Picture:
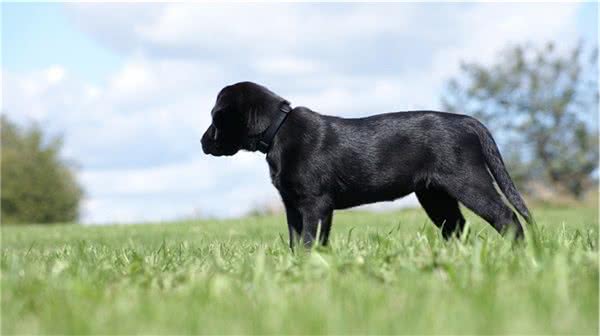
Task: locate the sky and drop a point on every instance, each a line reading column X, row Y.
column 131, row 86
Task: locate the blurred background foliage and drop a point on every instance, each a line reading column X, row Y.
column 38, row 186
column 542, row 106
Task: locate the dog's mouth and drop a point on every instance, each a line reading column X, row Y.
column 215, row 149
column 221, row 153
column 213, row 144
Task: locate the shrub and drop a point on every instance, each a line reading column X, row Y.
column 37, row 186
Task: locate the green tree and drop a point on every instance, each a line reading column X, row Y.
column 37, row 186
column 543, row 105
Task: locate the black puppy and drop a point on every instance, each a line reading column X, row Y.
column 320, row 163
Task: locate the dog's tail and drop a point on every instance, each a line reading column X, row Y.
column 496, row 166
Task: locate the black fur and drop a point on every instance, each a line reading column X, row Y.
column 321, row 163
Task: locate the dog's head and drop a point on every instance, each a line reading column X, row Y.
column 242, row 112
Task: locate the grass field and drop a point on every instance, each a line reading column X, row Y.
column 383, row 273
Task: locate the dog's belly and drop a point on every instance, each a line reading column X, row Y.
column 351, row 198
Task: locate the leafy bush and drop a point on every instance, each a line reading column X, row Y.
column 37, row 185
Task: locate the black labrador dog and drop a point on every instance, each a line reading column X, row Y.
column 320, row 163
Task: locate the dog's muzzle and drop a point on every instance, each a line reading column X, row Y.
column 212, row 146
column 209, row 145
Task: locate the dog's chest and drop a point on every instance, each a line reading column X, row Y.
column 275, row 172
column 290, row 180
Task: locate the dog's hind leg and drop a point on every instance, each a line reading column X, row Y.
column 443, row 210
column 476, row 191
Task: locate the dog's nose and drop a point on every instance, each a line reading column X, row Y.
column 208, row 148
column 207, row 143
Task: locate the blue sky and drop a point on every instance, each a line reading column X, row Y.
column 131, row 85
column 38, row 35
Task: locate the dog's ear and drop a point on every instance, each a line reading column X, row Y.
column 260, row 112
column 257, row 118
column 246, row 106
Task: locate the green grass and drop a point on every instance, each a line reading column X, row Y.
column 383, row 274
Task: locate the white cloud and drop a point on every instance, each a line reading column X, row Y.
column 196, row 175
column 274, row 26
column 55, row 74
column 137, row 135
column 288, row 66
column 204, row 184
column 486, row 30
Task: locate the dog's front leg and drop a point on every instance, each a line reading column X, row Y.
column 325, row 229
column 294, row 222
column 316, row 222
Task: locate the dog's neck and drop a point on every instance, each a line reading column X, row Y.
column 297, row 129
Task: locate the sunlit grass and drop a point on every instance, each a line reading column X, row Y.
column 383, row 273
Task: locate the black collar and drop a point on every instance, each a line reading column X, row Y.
column 265, row 142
